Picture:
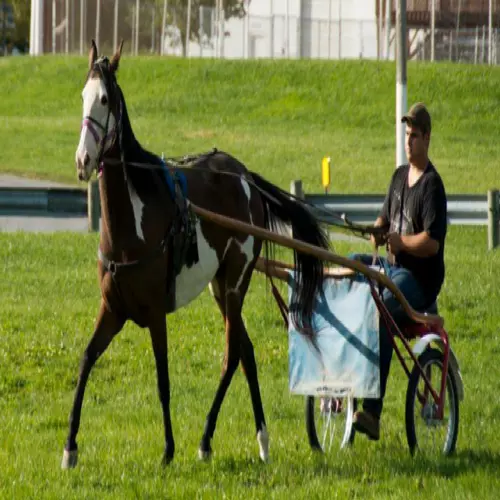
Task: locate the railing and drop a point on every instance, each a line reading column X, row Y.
column 31, row 201
column 463, row 209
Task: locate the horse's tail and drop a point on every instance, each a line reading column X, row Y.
column 308, row 279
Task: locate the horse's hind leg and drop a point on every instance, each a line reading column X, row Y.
column 231, row 360
column 250, row 370
column 238, row 345
column 107, row 326
column 158, row 330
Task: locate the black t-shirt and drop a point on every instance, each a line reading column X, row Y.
column 423, row 208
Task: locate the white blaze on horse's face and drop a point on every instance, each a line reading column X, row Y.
column 94, row 130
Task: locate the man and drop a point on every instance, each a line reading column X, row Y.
column 414, row 211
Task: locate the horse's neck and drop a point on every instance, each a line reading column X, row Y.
column 118, row 233
column 121, row 206
column 131, row 221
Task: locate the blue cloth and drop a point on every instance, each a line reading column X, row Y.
column 178, row 177
column 345, row 321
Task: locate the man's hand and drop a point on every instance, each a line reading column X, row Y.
column 378, row 239
column 395, row 243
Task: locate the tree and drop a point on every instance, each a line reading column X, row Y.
column 177, row 15
column 21, row 9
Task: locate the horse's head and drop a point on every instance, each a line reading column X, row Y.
column 101, row 112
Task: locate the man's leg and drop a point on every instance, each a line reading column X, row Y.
column 415, row 296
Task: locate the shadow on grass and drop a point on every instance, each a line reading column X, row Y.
column 367, row 468
column 463, row 461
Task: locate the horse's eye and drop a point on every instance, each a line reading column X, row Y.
column 104, row 100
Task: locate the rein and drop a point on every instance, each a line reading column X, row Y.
column 186, row 163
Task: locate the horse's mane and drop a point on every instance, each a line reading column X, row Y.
column 145, row 181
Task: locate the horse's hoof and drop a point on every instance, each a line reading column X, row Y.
column 69, row 460
column 204, row 455
column 263, row 440
column 166, row 460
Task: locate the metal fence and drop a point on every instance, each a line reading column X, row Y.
column 456, row 30
column 464, row 209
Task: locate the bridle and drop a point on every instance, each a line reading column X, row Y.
column 93, row 125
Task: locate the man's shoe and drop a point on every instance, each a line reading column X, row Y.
column 368, row 424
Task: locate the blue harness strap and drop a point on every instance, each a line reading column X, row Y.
column 178, row 178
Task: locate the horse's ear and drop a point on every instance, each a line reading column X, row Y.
column 92, row 55
column 115, row 60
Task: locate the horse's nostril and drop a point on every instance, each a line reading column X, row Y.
column 86, row 159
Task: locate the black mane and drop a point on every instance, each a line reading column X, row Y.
column 146, row 181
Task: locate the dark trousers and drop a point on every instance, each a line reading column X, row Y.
column 415, row 296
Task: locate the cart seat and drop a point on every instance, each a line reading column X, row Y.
column 412, row 330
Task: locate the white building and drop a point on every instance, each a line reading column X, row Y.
column 328, row 29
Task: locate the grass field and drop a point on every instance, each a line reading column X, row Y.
column 49, row 298
column 280, row 119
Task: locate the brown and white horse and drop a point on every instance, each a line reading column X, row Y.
column 138, row 277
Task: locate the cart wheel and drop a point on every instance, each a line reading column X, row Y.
column 329, row 422
column 423, row 429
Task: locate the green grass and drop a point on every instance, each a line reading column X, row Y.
column 279, row 117
column 49, row 297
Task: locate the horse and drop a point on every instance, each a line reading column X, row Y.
column 155, row 256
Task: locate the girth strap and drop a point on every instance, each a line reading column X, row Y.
column 115, row 267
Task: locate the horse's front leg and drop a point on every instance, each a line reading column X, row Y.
column 158, row 330
column 107, row 326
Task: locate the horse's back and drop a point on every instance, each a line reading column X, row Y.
column 220, row 161
column 219, row 182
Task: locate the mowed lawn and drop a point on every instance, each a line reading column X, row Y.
column 280, row 119
column 49, row 301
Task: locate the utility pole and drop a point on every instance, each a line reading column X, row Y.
column 401, row 89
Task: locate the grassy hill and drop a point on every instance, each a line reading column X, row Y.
column 279, row 117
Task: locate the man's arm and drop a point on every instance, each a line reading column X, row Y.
column 419, row 245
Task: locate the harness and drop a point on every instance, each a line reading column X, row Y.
column 181, row 236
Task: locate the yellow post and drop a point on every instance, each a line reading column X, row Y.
column 325, row 173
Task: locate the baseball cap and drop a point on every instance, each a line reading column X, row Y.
column 418, row 116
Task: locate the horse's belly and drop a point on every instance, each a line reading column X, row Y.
column 191, row 281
